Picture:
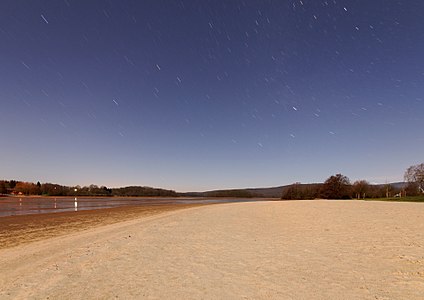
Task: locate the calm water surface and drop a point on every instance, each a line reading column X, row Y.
column 12, row 206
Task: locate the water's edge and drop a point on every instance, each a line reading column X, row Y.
column 13, row 206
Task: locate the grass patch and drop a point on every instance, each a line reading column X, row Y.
column 398, row 199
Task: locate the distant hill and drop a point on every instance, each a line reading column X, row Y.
column 269, row 192
column 395, row 185
column 276, row 192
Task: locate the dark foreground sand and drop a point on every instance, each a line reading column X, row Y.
column 264, row 250
column 17, row 230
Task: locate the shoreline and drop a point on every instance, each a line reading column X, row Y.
column 13, row 206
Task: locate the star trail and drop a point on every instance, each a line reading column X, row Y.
column 197, row 95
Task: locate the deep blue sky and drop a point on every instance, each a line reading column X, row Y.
column 198, row 95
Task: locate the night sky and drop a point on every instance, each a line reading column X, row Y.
column 200, row 95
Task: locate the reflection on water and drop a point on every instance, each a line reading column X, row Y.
column 24, row 206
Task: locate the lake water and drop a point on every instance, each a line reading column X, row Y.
column 12, row 206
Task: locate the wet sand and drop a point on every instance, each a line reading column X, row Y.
column 259, row 250
column 17, row 230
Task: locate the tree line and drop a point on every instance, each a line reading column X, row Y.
column 51, row 189
column 339, row 187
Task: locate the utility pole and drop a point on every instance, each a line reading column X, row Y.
column 387, row 189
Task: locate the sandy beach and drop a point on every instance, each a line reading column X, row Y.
column 258, row 250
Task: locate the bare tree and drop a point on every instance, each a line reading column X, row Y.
column 415, row 174
column 360, row 188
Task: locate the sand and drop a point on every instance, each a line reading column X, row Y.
column 264, row 250
column 16, row 230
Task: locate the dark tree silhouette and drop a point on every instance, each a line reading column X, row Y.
column 336, row 187
column 300, row 191
column 3, row 189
